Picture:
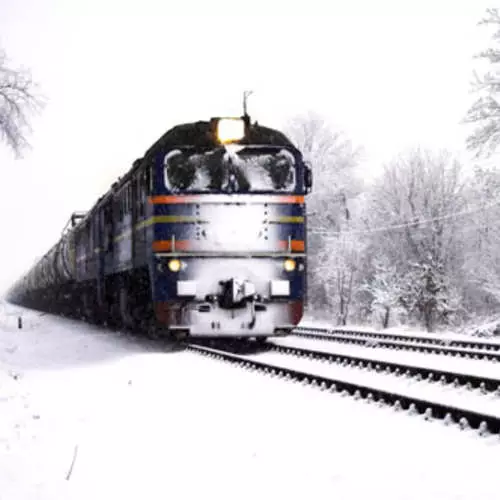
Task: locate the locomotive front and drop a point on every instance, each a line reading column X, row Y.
column 229, row 235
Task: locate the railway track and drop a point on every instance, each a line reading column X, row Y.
column 243, row 354
column 456, row 379
column 465, row 418
column 489, row 351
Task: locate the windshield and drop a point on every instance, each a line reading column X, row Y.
column 231, row 169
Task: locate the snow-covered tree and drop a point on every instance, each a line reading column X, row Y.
column 485, row 112
column 413, row 224
column 384, row 288
column 333, row 158
column 332, row 257
column 481, row 242
column 17, row 101
column 426, row 293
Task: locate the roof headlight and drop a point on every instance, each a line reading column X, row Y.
column 230, row 130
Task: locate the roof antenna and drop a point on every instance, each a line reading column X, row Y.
column 246, row 95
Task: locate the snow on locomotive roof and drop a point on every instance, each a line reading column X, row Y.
column 200, row 134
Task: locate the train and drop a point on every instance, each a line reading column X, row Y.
column 204, row 236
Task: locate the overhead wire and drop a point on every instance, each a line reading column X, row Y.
column 409, row 223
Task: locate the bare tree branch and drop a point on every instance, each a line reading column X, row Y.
column 18, row 101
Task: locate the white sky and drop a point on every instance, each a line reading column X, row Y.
column 118, row 74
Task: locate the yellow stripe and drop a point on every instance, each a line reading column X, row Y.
column 159, row 219
column 287, row 219
column 123, row 235
column 144, row 223
column 178, row 218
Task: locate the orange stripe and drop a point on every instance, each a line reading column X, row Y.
column 291, row 199
column 170, row 199
column 166, row 245
column 164, row 199
column 297, row 245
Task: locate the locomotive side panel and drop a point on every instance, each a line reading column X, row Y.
column 123, row 237
column 143, row 227
column 85, row 252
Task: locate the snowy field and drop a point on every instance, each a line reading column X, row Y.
column 480, row 368
column 464, row 334
column 146, row 422
column 433, row 392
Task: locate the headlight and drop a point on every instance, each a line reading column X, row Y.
column 230, row 130
column 174, row 265
column 289, row 265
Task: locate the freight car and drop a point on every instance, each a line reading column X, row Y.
column 205, row 235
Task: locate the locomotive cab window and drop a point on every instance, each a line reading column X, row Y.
column 233, row 168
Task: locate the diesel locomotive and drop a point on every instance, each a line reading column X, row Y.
column 205, row 235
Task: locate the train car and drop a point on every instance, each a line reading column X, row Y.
column 204, row 236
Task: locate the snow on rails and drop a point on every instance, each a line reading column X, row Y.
column 465, row 415
column 479, row 350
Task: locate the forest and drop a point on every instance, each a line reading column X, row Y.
column 420, row 244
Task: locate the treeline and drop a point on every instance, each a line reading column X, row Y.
column 420, row 245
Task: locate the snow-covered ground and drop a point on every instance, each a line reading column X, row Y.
column 432, row 392
column 404, row 331
column 480, row 368
column 410, row 344
column 146, row 422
